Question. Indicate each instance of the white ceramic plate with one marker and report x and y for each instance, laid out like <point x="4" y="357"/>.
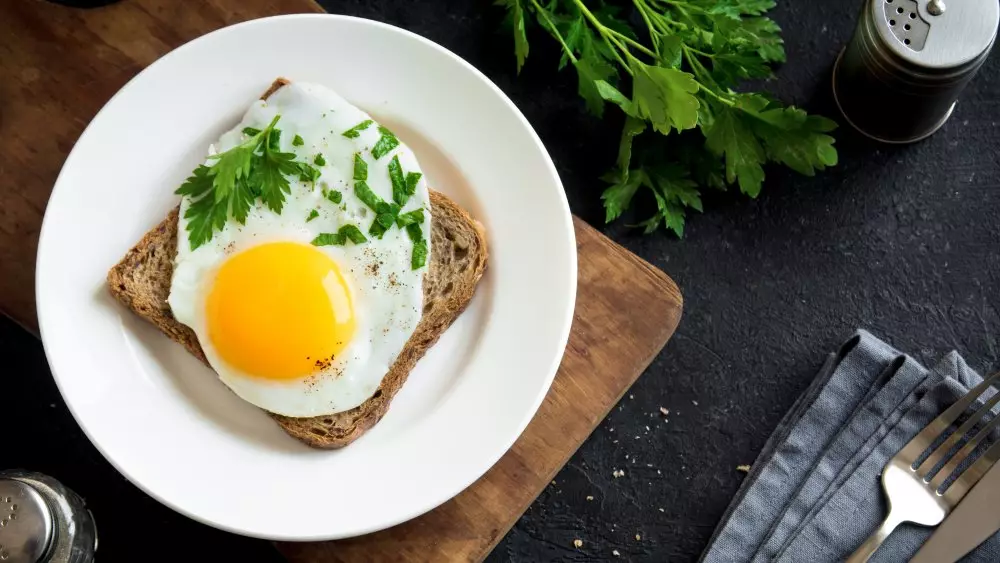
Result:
<point x="168" y="424"/>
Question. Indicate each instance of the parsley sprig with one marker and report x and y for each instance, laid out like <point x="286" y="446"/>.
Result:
<point x="682" y="67"/>
<point x="255" y="168"/>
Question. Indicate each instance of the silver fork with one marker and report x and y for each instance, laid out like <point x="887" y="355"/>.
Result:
<point x="913" y="493"/>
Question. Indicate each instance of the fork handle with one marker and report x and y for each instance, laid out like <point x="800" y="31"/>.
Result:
<point x="874" y="541"/>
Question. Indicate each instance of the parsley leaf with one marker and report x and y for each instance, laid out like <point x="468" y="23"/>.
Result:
<point x="410" y="217"/>
<point x="664" y="97"/>
<point x="730" y="135"/>
<point x="360" y="168"/>
<point x="334" y="196"/>
<point x="352" y="233"/>
<point x="688" y="127"/>
<point x="515" y="18"/>
<point x="385" y="143"/>
<point x="355" y="132"/>
<point x="419" y="258"/>
<point x="399" y="194"/>
<point x="340" y="238"/>
<point x="319" y="160"/>
<point x="366" y="195"/>
<point x="312" y="215"/>
<point x="412" y="179"/>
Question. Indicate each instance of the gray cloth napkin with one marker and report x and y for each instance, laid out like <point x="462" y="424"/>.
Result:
<point x="813" y="494"/>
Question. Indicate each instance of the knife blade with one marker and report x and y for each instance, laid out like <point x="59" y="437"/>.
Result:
<point x="974" y="520"/>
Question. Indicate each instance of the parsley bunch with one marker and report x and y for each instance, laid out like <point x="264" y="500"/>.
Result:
<point x="254" y="168"/>
<point x="681" y="67"/>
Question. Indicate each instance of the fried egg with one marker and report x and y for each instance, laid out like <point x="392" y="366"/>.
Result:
<point x="291" y="327"/>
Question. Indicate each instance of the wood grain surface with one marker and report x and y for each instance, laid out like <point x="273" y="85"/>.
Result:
<point x="60" y="65"/>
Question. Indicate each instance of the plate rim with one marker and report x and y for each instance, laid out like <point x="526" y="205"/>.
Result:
<point x="45" y="234"/>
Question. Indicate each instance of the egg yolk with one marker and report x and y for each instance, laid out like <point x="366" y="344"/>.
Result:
<point x="280" y="311"/>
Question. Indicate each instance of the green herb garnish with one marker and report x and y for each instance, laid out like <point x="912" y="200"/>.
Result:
<point x="312" y="215"/>
<point x="366" y="195"/>
<point x="399" y="194"/>
<point x="251" y="131"/>
<point x="681" y="68"/>
<point x="308" y="173"/>
<point x="360" y="168"/>
<point x="334" y="196"/>
<point x="412" y="178"/>
<point x="340" y="238"/>
<point x="385" y="143"/>
<point x="419" y="258"/>
<point x="319" y="160"/>
<point x="410" y="217"/>
<point x="415" y="232"/>
<point x="385" y="217"/>
<point x="355" y="132"/>
<point x="254" y="168"/>
<point x="297" y="141"/>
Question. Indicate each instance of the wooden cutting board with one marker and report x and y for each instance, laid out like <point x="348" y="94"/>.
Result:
<point x="60" y="65"/>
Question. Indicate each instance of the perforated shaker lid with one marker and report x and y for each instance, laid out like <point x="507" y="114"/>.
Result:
<point x="937" y="34"/>
<point x="26" y="525"/>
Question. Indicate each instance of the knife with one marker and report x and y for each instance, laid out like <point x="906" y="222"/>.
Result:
<point x="974" y="520"/>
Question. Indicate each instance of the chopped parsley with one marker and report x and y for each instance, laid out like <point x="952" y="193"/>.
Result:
<point x="340" y="238"/>
<point x="334" y="196"/>
<point x="251" y="131"/>
<point x="419" y="258"/>
<point x="255" y="168"/>
<point x="319" y="160"/>
<point x="297" y="141"/>
<point x="399" y="194"/>
<point x="312" y="215"/>
<point x="360" y="168"/>
<point x="366" y="195"/>
<point x="308" y="173"/>
<point x="412" y="178"/>
<point x="385" y="143"/>
<point x="410" y="217"/>
<point x="355" y="132"/>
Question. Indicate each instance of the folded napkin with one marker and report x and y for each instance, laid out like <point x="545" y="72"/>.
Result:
<point x="814" y="492"/>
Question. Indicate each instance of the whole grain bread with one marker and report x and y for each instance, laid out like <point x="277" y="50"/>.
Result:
<point x="141" y="282"/>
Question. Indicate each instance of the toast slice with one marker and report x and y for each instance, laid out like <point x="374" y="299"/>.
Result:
<point x="141" y="282"/>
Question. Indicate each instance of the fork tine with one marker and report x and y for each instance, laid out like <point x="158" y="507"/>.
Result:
<point x="967" y="449"/>
<point x="938" y="454"/>
<point x="972" y="475"/>
<point x="925" y="437"/>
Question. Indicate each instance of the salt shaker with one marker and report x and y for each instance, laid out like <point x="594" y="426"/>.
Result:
<point x="898" y="79"/>
<point x="42" y="521"/>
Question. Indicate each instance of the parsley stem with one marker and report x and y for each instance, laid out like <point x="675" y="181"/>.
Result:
<point x="553" y="31"/>
<point x="700" y="72"/>
<point x="614" y="36"/>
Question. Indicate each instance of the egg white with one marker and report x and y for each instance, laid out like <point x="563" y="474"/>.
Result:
<point x="387" y="299"/>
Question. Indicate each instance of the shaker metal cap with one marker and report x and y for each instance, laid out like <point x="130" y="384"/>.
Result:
<point x="26" y="524"/>
<point x="955" y="36"/>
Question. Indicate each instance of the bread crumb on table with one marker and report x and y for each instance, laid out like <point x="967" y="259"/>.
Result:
<point x="615" y="552"/>
<point x="618" y="473"/>
<point x="664" y="411"/>
<point x="638" y="537"/>
<point x="743" y="468"/>
<point x="577" y="543"/>
<point x="590" y="497"/>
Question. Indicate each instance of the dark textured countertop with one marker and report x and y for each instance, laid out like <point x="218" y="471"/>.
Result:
<point x="902" y="241"/>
